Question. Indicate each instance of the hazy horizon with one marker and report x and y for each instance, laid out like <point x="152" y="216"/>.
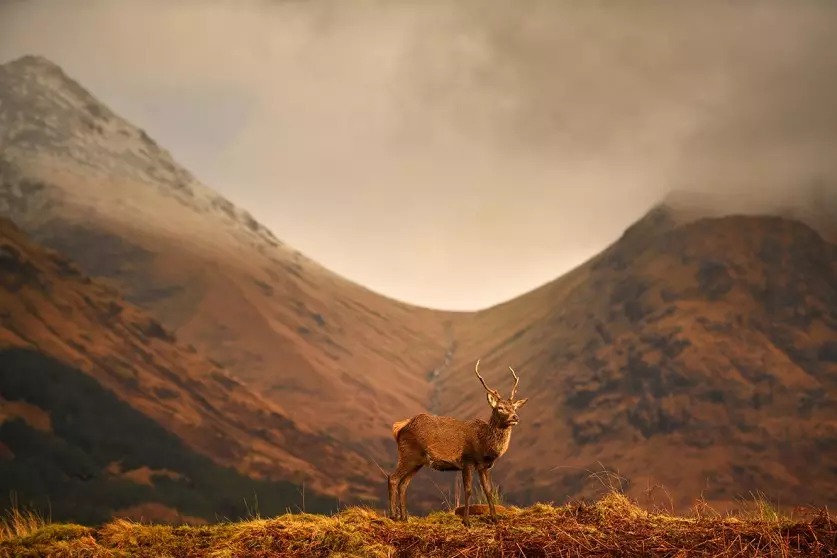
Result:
<point x="455" y="155"/>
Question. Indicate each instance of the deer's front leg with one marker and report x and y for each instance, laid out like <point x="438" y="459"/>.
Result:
<point x="485" y="482"/>
<point x="467" y="478"/>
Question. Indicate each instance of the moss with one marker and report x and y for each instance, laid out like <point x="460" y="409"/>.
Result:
<point x="56" y="532"/>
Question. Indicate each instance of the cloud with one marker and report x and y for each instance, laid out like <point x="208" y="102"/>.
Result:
<point x="459" y="153"/>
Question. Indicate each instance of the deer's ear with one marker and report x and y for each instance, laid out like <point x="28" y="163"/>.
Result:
<point x="492" y="400"/>
<point x="520" y="402"/>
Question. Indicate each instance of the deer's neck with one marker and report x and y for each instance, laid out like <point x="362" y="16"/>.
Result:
<point x="498" y="438"/>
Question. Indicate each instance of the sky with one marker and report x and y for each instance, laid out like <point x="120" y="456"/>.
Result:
<point x="457" y="154"/>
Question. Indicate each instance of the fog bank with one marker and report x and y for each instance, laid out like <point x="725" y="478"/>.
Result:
<point x="456" y="154"/>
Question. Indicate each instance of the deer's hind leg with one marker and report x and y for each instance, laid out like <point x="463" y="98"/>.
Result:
<point x="393" y="481"/>
<point x="409" y="462"/>
<point x="402" y="491"/>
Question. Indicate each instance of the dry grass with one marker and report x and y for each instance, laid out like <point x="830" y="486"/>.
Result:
<point x="613" y="526"/>
<point x="20" y="523"/>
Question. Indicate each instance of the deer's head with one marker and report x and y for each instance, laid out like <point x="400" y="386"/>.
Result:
<point x="504" y="410"/>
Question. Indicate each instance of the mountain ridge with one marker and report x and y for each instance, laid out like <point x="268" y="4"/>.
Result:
<point x="126" y="213"/>
<point x="41" y="74"/>
<point x="675" y="341"/>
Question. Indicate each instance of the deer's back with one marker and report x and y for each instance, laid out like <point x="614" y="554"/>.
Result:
<point x="442" y="438"/>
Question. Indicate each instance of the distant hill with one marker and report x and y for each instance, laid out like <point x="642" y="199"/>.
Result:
<point x="103" y="411"/>
<point x="699" y="354"/>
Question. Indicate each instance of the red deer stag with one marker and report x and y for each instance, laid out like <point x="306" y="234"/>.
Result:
<point x="449" y="444"/>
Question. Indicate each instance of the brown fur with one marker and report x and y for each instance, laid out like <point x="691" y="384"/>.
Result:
<point x="397" y="426"/>
<point x="450" y="444"/>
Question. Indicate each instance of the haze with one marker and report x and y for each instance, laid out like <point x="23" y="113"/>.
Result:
<point x="457" y="154"/>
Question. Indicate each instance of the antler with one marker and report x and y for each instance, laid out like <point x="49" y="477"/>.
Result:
<point x="488" y="389"/>
<point x="516" y="381"/>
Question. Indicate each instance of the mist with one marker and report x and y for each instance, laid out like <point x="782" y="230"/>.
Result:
<point x="457" y="154"/>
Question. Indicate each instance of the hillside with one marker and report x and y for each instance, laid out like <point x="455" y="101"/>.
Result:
<point x="695" y="353"/>
<point x="700" y="355"/>
<point x="102" y="410"/>
<point x="83" y="181"/>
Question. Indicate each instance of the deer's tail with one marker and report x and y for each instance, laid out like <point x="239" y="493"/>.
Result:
<point x="398" y="426"/>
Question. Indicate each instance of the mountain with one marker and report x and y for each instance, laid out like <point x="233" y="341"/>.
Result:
<point x="102" y="409"/>
<point x="83" y="181"/>
<point x="699" y="354"/>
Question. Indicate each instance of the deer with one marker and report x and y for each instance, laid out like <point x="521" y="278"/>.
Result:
<point x="449" y="444"/>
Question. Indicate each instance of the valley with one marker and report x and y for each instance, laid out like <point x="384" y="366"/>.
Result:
<point x="696" y="353"/>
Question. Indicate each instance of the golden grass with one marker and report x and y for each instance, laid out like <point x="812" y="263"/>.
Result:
<point x="18" y="523"/>
<point x="613" y="526"/>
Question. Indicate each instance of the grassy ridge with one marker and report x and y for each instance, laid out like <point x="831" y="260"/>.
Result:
<point x="613" y="526"/>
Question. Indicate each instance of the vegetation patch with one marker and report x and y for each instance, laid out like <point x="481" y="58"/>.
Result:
<point x="613" y="526"/>
<point x="69" y="471"/>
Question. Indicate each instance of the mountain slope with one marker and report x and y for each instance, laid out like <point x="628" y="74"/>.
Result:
<point x="697" y="354"/>
<point x="90" y="380"/>
<point x="83" y="181"/>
